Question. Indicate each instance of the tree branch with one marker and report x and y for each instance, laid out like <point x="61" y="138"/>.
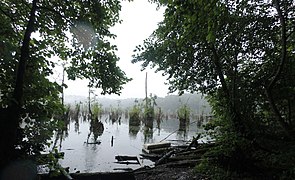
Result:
<point x="284" y="46"/>
<point x="24" y="56"/>
<point x="279" y="70"/>
<point x="235" y="115"/>
<point x="216" y="61"/>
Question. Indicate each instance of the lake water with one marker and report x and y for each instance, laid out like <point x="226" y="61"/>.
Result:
<point x="127" y="140"/>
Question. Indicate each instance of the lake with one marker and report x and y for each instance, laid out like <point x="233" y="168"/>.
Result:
<point x="127" y="140"/>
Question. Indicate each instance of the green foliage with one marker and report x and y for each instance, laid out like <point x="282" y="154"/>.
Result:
<point x="150" y="103"/>
<point x="134" y="115"/>
<point x="183" y="113"/>
<point x="54" y="167"/>
<point x="50" y="160"/>
<point x="96" y="110"/>
<point x="35" y="37"/>
<point x="76" y="112"/>
<point x="239" y="53"/>
<point x="211" y="170"/>
<point x="173" y="46"/>
<point x="42" y="117"/>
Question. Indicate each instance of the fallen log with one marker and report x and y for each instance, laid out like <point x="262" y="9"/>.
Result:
<point x="156" y="151"/>
<point x="152" y="157"/>
<point x="194" y="142"/>
<point x="157" y="145"/>
<point x="127" y="159"/>
<point x="180" y="146"/>
<point x="178" y="140"/>
<point x="193" y="151"/>
<point x="165" y="157"/>
<point x="126" y="162"/>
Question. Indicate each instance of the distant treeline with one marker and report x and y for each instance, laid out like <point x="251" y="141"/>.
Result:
<point x="171" y="103"/>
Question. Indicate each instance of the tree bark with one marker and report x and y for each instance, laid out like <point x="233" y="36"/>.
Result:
<point x="279" y="70"/>
<point x="218" y="69"/>
<point x="24" y="56"/>
<point x="10" y="116"/>
<point x="235" y="116"/>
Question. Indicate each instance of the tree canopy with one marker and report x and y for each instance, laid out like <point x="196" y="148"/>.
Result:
<point x="241" y="54"/>
<point x="75" y="31"/>
<point x="35" y="37"/>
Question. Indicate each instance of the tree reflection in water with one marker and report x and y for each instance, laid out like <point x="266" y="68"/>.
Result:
<point x="159" y="117"/>
<point x="183" y="128"/>
<point x="74" y="115"/>
<point x="96" y="128"/>
<point x="148" y="130"/>
<point x="63" y="131"/>
<point x="134" y="121"/>
<point x="133" y="130"/>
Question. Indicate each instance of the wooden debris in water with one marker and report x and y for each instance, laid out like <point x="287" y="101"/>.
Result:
<point x="128" y="160"/>
<point x="164" y="157"/>
<point x="180" y="155"/>
<point x="157" y="145"/>
<point x="156" y="151"/>
<point x="95" y="142"/>
<point x="152" y="157"/>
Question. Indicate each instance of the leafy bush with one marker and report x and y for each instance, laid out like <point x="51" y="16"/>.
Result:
<point x="183" y="113"/>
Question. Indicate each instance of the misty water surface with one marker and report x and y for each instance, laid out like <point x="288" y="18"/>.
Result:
<point x="127" y="140"/>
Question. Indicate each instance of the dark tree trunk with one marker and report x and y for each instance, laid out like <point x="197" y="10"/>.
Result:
<point x="10" y="116"/>
<point x="8" y="134"/>
<point x="278" y="72"/>
<point x="236" y="118"/>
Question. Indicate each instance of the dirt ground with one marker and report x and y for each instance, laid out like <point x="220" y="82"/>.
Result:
<point x="163" y="172"/>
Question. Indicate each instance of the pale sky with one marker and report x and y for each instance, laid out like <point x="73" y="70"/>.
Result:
<point x="140" y="19"/>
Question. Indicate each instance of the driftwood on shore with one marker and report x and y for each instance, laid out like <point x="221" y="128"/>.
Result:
<point x="152" y="157"/>
<point x="181" y="155"/>
<point x="156" y="147"/>
<point x="164" y="157"/>
<point x="156" y="151"/>
<point x="189" y="155"/>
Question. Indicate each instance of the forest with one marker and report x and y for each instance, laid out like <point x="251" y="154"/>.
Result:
<point x="240" y="54"/>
